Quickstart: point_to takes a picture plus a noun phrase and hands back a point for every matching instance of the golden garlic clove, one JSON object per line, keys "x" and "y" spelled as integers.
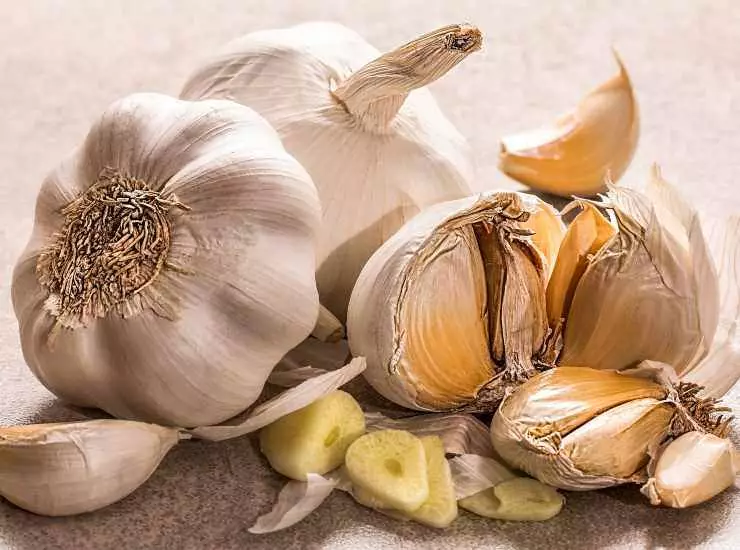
{"x": 451, "y": 310}
{"x": 584, "y": 148}
{"x": 692, "y": 469}
{"x": 66, "y": 469}
{"x": 616, "y": 442}
{"x": 586, "y": 234}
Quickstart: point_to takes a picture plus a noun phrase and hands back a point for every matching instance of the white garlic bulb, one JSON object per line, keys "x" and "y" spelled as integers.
{"x": 66, "y": 469}
{"x": 171, "y": 264}
{"x": 450, "y": 311}
{"x": 378, "y": 148}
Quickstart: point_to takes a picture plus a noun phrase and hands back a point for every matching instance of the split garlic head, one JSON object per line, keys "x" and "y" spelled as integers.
{"x": 450, "y": 311}
{"x": 66, "y": 469}
{"x": 362, "y": 124}
{"x": 640, "y": 285}
{"x": 171, "y": 264}
{"x": 577, "y": 428}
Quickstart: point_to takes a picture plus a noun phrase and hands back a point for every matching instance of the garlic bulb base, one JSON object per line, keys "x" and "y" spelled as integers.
{"x": 698, "y": 413}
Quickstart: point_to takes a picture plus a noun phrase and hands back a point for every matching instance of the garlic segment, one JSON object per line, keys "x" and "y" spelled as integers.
{"x": 577, "y": 428}
{"x": 65, "y": 469}
{"x": 648, "y": 292}
{"x": 577, "y": 154}
{"x": 171, "y": 264}
{"x": 373, "y": 139}
{"x": 692, "y": 469}
{"x": 451, "y": 310}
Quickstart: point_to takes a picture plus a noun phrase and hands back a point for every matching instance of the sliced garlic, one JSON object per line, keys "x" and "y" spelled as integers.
{"x": 518, "y": 499}
{"x": 577, "y": 154}
{"x": 66, "y": 469}
{"x": 451, "y": 310}
{"x": 440, "y": 508}
{"x": 692, "y": 469}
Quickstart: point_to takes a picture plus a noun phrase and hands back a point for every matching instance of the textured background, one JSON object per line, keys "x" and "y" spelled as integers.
{"x": 62, "y": 62}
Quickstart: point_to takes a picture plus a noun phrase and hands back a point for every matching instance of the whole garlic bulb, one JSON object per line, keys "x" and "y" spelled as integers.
{"x": 450, "y": 311}
{"x": 66, "y": 469}
{"x": 171, "y": 264}
{"x": 373, "y": 139}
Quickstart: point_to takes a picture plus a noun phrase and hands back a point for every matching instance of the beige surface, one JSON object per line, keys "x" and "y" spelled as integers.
{"x": 62, "y": 62}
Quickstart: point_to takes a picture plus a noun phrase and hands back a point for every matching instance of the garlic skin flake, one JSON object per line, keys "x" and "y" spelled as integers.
{"x": 584, "y": 148}
{"x": 692, "y": 469}
{"x": 362, "y": 124}
{"x": 454, "y": 303}
{"x": 190, "y": 324}
{"x": 67, "y": 469}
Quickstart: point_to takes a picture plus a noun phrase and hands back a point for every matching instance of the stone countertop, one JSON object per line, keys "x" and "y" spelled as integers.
{"x": 64, "y": 62}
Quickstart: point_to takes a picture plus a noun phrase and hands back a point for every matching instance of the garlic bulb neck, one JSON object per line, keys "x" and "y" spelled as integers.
{"x": 375, "y": 93}
{"x": 114, "y": 242}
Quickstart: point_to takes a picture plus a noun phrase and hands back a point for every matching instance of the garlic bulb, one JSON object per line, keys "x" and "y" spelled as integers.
{"x": 648, "y": 267}
{"x": 171, "y": 264}
{"x": 376, "y": 145}
{"x": 577, "y": 428}
{"x": 577, "y": 154}
{"x": 450, "y": 311}
{"x": 692, "y": 469}
{"x": 66, "y": 469}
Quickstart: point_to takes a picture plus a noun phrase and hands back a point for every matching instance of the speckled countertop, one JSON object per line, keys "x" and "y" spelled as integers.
{"x": 63, "y": 61}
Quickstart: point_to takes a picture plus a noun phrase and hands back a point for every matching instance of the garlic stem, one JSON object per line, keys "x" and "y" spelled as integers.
{"x": 375, "y": 93}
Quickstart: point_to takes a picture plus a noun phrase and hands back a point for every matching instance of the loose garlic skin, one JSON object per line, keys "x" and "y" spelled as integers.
{"x": 584, "y": 149}
{"x": 67, "y": 469}
{"x": 362, "y": 123}
{"x": 234, "y": 290}
{"x": 434, "y": 350}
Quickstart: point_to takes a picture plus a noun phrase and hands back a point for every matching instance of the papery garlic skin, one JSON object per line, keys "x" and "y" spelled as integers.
{"x": 423, "y": 316}
{"x": 377, "y": 151}
{"x": 584, "y": 148}
{"x": 692, "y": 469}
{"x": 553, "y": 427}
{"x": 66, "y": 469}
{"x": 236, "y": 291}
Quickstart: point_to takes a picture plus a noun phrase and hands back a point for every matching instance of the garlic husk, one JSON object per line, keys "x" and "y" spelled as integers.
{"x": 362, "y": 123}
{"x": 67, "y": 469}
{"x": 454, "y": 303}
{"x": 577, "y": 154}
{"x": 652, "y": 273}
{"x": 580, "y": 429}
{"x": 235, "y": 290}
{"x": 692, "y": 469}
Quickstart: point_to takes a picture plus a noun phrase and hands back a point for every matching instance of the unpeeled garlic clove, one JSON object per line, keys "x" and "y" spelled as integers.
{"x": 692, "y": 469}
{"x": 577, "y": 154}
{"x": 66, "y": 469}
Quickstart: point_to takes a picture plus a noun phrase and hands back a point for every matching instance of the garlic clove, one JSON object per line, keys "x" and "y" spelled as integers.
{"x": 586, "y": 234}
{"x": 518, "y": 499}
{"x": 549, "y": 232}
{"x": 692, "y": 469}
{"x": 564, "y": 398}
{"x": 577, "y": 154}
{"x": 617, "y": 441}
{"x": 66, "y": 469}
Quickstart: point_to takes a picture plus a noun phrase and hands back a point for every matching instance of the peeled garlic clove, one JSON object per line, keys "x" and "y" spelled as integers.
{"x": 586, "y": 234}
{"x": 577, "y": 154}
{"x": 518, "y": 499}
{"x": 451, "y": 310}
{"x": 66, "y": 469}
{"x": 692, "y": 469}
{"x": 643, "y": 295}
{"x": 616, "y": 442}
{"x": 391, "y": 466}
{"x": 440, "y": 508}
{"x": 545, "y": 427}
{"x": 313, "y": 439}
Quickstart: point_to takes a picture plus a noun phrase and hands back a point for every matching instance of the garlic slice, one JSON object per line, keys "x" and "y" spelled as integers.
{"x": 577, "y": 154}
{"x": 66, "y": 469}
{"x": 450, "y": 311}
{"x": 692, "y": 469}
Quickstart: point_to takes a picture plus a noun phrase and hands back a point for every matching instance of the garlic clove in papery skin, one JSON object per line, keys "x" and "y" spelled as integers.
{"x": 362, "y": 124}
{"x": 185, "y": 328}
{"x": 67, "y": 469}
